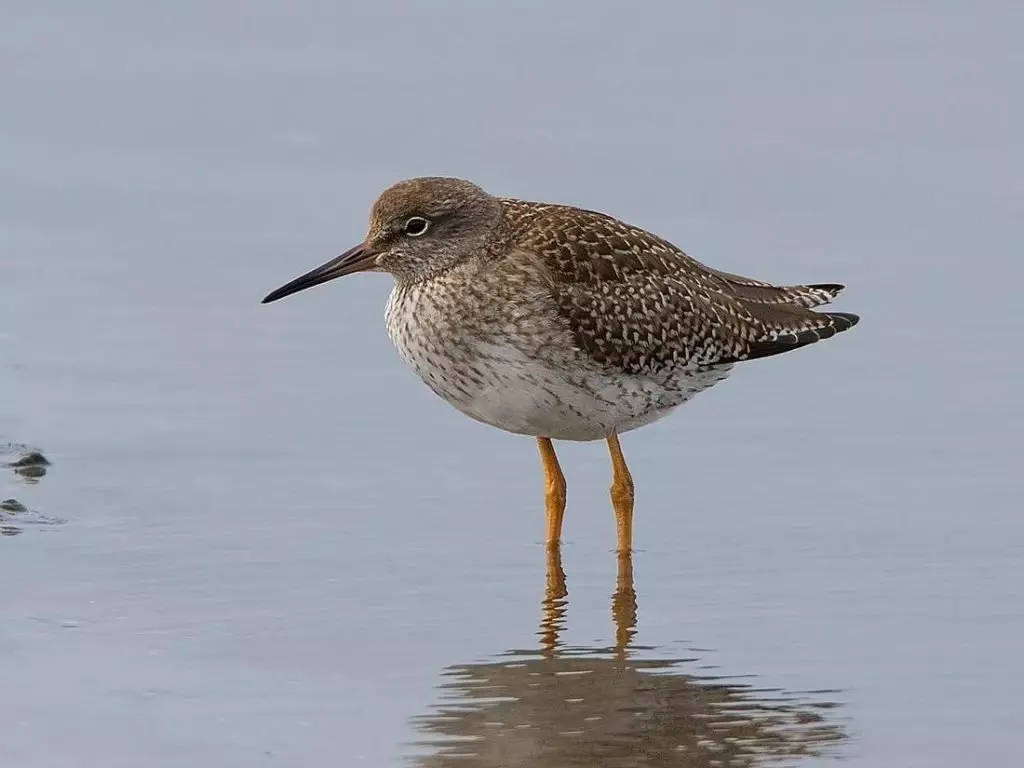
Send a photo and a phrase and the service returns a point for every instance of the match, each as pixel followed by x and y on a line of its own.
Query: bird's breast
pixel 500 357
pixel 463 338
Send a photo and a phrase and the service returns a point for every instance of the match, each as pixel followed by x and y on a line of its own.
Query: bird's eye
pixel 416 226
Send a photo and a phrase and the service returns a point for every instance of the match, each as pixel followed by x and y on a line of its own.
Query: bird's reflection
pixel 560 706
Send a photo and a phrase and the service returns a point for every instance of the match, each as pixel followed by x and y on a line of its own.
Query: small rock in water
pixel 12 505
pixel 31 459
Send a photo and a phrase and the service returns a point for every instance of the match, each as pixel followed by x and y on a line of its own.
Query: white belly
pixel 527 397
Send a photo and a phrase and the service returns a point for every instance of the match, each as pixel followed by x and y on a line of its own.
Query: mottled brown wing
pixel 546 216
pixel 638 304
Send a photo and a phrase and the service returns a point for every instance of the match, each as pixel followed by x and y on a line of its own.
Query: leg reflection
pixel 554 603
pixel 624 605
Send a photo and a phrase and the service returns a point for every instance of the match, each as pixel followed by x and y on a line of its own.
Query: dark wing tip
pixel 843 321
pixel 832 289
pixel 758 292
pixel 789 340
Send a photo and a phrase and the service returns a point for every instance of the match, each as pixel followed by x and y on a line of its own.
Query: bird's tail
pixel 758 292
pixel 791 327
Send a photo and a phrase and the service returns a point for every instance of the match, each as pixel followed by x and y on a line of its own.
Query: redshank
pixel 562 323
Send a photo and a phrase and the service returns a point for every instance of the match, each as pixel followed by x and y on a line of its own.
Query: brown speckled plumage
pixel 561 322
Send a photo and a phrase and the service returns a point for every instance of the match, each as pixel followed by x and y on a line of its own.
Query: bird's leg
pixel 622 495
pixel 554 490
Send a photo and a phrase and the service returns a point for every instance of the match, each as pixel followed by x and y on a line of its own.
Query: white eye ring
pixel 416 226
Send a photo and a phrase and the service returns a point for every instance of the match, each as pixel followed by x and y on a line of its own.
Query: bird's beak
pixel 358 259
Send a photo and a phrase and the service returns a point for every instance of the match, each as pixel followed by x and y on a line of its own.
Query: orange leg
pixel 622 495
pixel 554 490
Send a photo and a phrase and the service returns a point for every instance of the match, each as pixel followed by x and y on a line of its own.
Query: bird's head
pixel 418 228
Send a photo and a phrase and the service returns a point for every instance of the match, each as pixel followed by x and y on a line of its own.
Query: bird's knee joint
pixel 622 493
pixel 555 489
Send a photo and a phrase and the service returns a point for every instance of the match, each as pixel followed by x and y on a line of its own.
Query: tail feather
pixel 760 292
pixel 799 330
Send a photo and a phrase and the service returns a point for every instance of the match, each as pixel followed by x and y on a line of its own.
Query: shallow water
pixel 261 539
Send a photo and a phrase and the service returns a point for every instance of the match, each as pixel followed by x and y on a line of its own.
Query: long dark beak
pixel 358 259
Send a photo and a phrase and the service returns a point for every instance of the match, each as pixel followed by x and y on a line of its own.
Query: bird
pixel 563 323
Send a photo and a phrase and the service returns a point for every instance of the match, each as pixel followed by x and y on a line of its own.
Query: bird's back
pixel 638 304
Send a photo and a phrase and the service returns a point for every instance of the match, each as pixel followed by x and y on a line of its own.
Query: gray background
pixel 276 539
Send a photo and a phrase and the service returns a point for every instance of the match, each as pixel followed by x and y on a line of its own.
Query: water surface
pixel 276 546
